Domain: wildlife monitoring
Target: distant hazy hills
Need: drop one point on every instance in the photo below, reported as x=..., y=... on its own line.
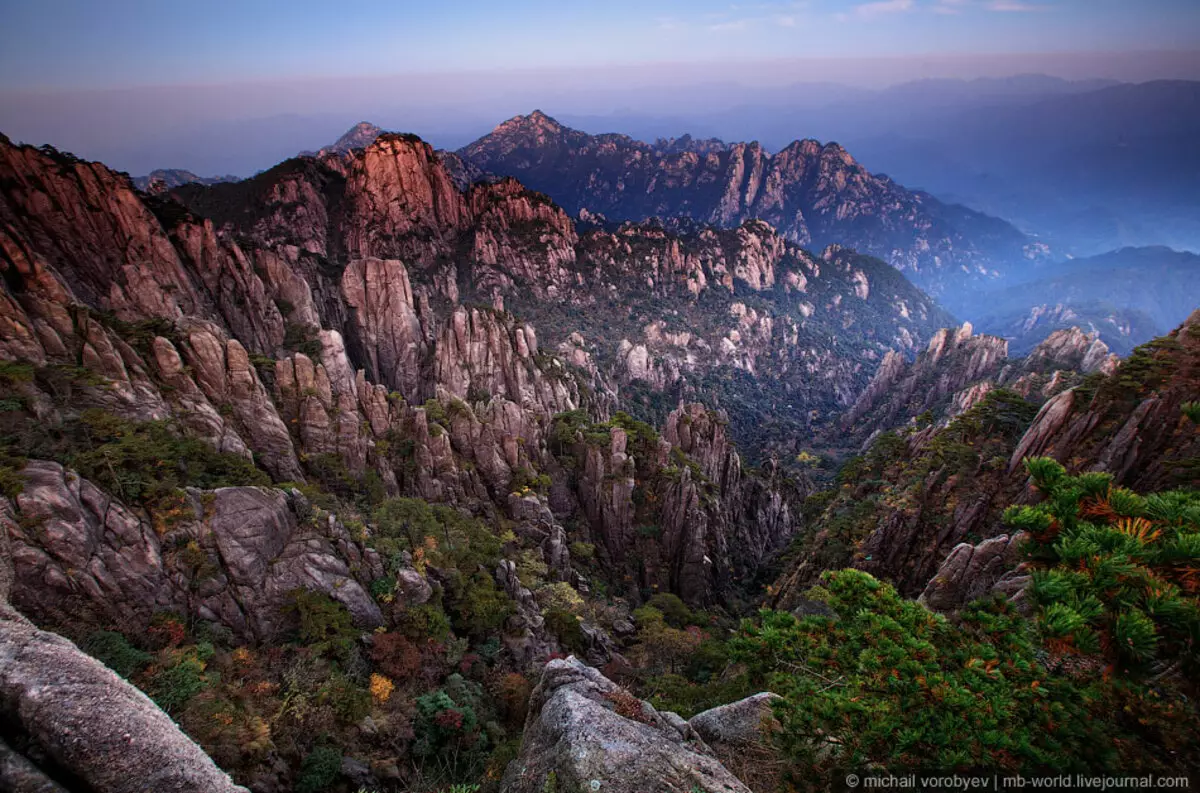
x=168, y=178
x=1127, y=296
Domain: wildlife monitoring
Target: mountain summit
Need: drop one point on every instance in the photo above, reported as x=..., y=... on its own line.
x=814, y=193
x=359, y=136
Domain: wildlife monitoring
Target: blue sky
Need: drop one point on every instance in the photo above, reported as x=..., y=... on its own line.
x=65, y=44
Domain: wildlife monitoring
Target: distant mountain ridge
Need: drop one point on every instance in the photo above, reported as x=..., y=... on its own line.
x=814, y=194
x=169, y=178
x=1127, y=296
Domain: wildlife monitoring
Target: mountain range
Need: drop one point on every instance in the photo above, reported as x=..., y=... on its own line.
x=335, y=463
x=814, y=194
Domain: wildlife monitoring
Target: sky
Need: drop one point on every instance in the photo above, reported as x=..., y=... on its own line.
x=122, y=43
x=151, y=83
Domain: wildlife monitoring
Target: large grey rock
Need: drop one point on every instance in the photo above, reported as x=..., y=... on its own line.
x=19, y=775
x=971, y=572
x=737, y=724
x=575, y=733
x=85, y=719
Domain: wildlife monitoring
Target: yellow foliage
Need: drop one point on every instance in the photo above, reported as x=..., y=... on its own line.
x=381, y=688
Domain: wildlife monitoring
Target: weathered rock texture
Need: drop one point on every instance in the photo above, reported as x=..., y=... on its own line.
x=316, y=320
x=69, y=717
x=232, y=558
x=960, y=367
x=971, y=572
x=372, y=213
x=584, y=732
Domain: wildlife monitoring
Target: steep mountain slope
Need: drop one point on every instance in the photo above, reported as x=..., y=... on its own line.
x=1128, y=297
x=278, y=434
x=915, y=496
x=814, y=194
x=282, y=455
x=313, y=366
x=662, y=316
x=959, y=368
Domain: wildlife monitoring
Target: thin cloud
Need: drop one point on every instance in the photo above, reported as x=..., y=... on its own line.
x=1013, y=5
x=950, y=6
x=732, y=24
x=881, y=7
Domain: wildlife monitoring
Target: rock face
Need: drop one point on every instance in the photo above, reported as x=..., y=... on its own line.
x=233, y=560
x=584, y=732
x=72, y=717
x=632, y=306
x=1131, y=422
x=814, y=193
x=737, y=724
x=971, y=572
x=338, y=339
x=960, y=367
x=933, y=526
x=683, y=505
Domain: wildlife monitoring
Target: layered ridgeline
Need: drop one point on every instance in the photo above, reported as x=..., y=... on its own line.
x=814, y=194
x=958, y=369
x=164, y=179
x=659, y=316
x=281, y=457
x=295, y=339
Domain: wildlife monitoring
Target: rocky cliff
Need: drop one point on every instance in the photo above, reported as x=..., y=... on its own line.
x=659, y=316
x=70, y=722
x=814, y=193
x=287, y=332
x=959, y=367
x=922, y=507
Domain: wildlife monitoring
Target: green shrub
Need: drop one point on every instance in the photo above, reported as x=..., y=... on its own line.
x=178, y=681
x=303, y=339
x=114, y=651
x=528, y=479
x=674, y=611
x=148, y=461
x=1115, y=573
x=582, y=551
x=476, y=606
x=565, y=626
x=324, y=624
x=319, y=771
x=435, y=534
x=890, y=682
x=422, y=622
x=436, y=412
